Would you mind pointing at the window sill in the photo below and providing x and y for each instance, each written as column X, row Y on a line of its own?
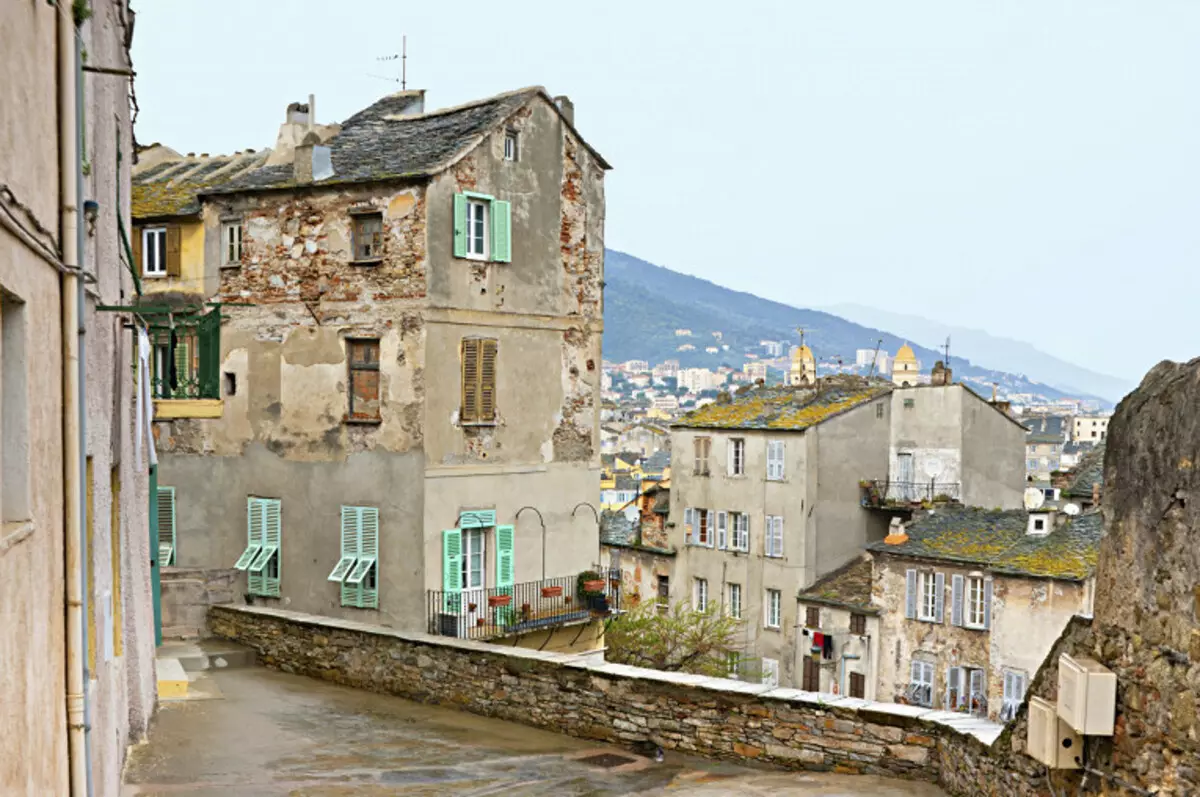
column 774, row 628
column 162, row 276
column 350, row 419
column 169, row 409
column 367, row 261
column 970, row 627
column 231, row 265
column 473, row 424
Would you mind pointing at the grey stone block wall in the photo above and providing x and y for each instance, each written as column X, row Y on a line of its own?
column 187, row 594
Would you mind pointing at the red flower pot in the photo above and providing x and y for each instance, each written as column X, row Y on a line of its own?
column 471, row 607
column 478, row 621
column 499, row 600
column 552, row 592
column 593, row 586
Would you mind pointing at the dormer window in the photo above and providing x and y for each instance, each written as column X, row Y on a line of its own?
column 1041, row 523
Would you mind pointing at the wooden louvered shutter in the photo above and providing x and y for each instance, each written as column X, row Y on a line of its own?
column 505, row 566
column 939, row 598
column 487, row 380
column 272, row 538
column 349, row 554
column 368, row 559
column 254, row 528
column 987, row 603
column 174, row 257
column 452, row 570
column 166, row 526
column 470, row 381
column 910, row 594
column 956, row 600
column 501, row 231
column 137, row 250
column 460, row 225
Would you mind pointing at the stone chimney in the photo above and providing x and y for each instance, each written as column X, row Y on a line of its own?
column 941, row 375
column 302, row 160
column 566, row 107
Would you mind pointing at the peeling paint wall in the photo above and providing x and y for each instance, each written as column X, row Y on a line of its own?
column 852, row 653
column 640, row 571
column 1028, row 615
column 285, row 431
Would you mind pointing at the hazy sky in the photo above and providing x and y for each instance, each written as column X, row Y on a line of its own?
column 1028, row 167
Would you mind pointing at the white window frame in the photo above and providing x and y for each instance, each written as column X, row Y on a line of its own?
column 472, row 539
column 700, row 595
column 154, row 252
column 739, row 526
column 512, row 151
column 927, row 596
column 920, row 676
column 704, row 523
column 974, row 613
column 484, row 209
column 1015, row 685
column 774, row 609
column 735, row 601
column 737, row 456
column 775, row 460
column 774, row 536
column 231, row 243
column 722, row 529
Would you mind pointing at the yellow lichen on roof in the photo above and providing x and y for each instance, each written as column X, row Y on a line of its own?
column 165, row 198
column 815, row 413
column 780, row 408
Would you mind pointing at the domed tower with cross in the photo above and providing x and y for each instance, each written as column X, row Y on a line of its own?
column 804, row 365
column 905, row 367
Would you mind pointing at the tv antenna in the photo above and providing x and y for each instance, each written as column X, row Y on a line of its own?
column 875, row 358
column 946, row 352
column 402, row 57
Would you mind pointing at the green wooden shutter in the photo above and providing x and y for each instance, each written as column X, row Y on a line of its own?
column 368, row 550
column 452, row 569
column 166, row 526
column 183, row 374
column 501, row 231
column 349, row 546
column 272, row 540
column 208, row 332
column 254, row 524
column 504, row 556
column 460, row 225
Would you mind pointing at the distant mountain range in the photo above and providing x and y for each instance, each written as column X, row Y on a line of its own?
column 645, row 304
column 1003, row 353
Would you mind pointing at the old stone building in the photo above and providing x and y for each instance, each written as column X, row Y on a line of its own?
column 780, row 486
column 838, row 643
column 635, row 551
column 971, row 600
column 410, row 318
column 77, row 673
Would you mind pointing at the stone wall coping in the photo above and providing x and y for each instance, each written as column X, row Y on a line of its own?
column 981, row 729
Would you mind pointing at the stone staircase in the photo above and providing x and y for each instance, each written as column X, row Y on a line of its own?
column 183, row 667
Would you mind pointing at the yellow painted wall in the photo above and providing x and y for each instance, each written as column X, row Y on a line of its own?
column 191, row 262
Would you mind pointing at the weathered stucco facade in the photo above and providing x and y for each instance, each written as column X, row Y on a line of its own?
column 286, row 429
column 1027, row 616
column 119, row 656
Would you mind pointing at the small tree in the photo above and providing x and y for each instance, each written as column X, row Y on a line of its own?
column 677, row 640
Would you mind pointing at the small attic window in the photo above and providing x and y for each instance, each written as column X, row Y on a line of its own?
column 1040, row 523
column 511, row 152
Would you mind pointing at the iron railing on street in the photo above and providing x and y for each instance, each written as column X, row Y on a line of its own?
column 528, row 606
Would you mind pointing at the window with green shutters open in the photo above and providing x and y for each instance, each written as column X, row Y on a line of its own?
column 261, row 559
column 358, row 566
column 482, row 228
column 166, row 526
column 463, row 560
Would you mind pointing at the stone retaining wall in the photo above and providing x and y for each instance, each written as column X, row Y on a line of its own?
column 187, row 594
column 712, row 717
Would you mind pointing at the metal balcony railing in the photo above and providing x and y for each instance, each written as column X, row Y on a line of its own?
column 528, row 606
column 891, row 493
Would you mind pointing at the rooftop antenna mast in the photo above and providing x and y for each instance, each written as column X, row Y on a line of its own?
column 946, row 350
column 403, row 59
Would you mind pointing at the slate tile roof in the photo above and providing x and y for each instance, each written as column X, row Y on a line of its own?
column 657, row 462
column 997, row 540
column 1042, row 438
column 172, row 188
column 848, row 587
column 379, row 144
column 792, row 408
column 1088, row 471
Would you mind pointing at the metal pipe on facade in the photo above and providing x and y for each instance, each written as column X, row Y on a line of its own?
column 73, row 540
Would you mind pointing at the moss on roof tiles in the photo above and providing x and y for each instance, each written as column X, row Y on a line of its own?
column 1088, row 471
column 785, row 407
column 849, row 586
column 998, row 540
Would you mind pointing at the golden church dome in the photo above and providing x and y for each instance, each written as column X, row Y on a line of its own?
column 905, row 355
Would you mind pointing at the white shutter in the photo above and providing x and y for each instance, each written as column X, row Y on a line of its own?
column 956, row 600
column 722, row 529
column 910, row 596
column 987, row 603
column 779, row 536
column 729, row 445
column 689, row 525
column 939, row 598
column 977, row 690
column 953, row 688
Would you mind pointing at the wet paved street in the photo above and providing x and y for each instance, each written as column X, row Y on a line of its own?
column 276, row 734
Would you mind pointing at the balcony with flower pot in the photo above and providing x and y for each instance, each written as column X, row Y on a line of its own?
column 529, row 606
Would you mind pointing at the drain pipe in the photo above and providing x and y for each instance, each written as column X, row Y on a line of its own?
column 70, row 180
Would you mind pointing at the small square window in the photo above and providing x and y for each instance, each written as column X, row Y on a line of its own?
column 909, row 404
column 511, row 152
column 231, row 243
column 858, row 624
column 368, row 236
column 812, row 617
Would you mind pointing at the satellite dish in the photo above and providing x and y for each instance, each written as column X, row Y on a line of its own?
column 1034, row 498
column 1071, row 509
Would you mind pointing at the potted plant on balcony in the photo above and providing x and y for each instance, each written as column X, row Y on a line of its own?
column 499, row 600
column 553, row 592
column 591, row 591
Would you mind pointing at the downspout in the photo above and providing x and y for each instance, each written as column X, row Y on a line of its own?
column 70, row 181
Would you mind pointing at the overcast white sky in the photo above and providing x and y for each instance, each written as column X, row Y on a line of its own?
column 1028, row 167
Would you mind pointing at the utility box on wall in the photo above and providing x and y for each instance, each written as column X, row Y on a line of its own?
column 1087, row 695
column 1050, row 740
